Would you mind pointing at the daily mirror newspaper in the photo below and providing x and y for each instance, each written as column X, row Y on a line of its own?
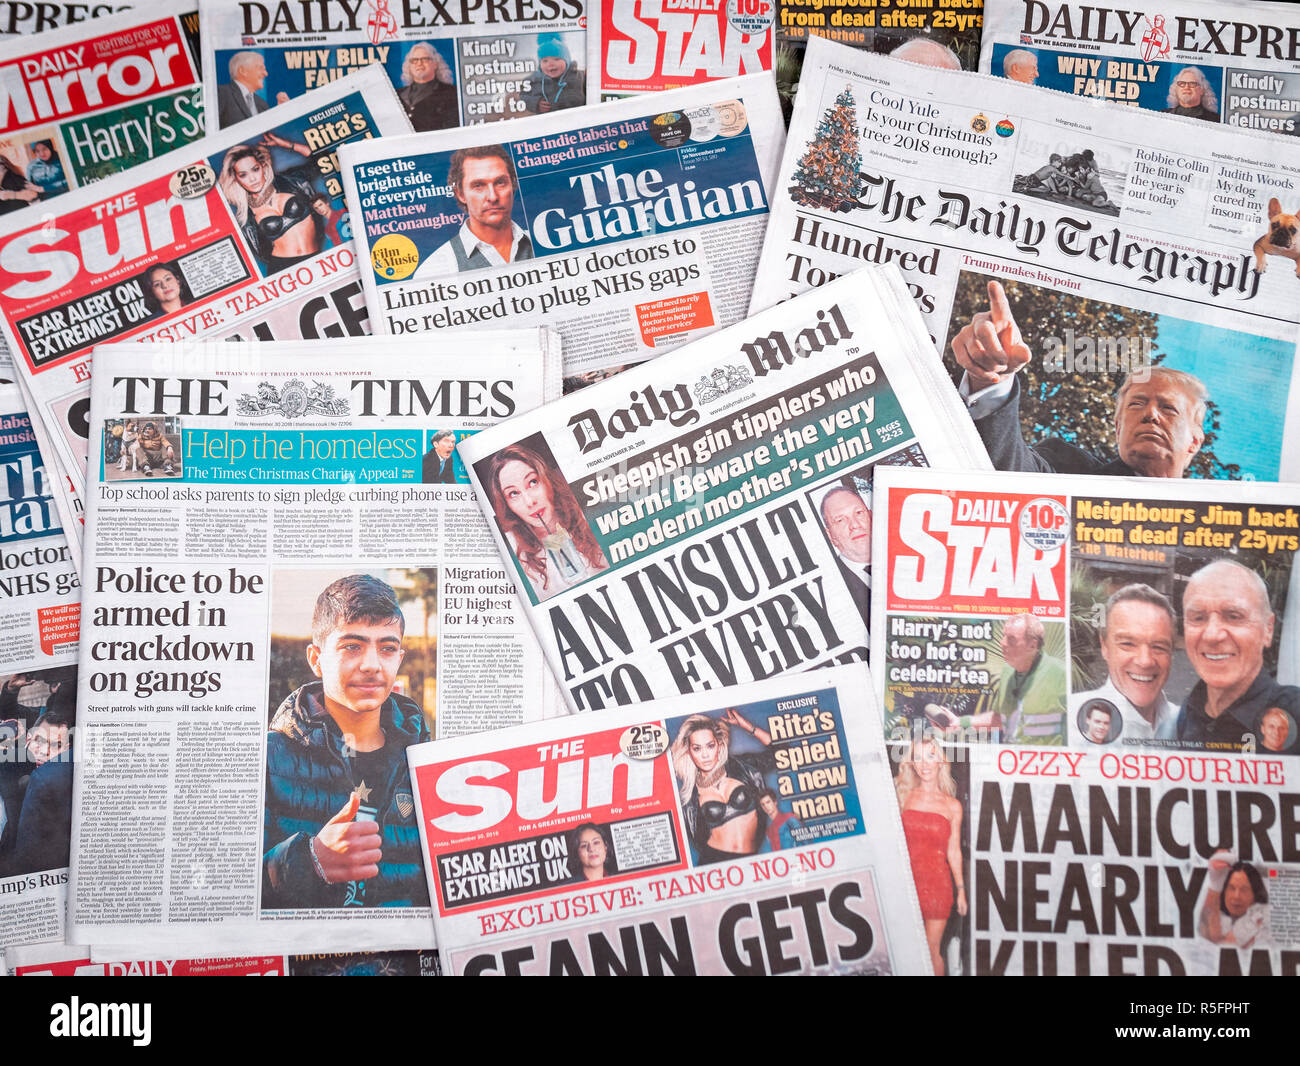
column 750, row 832
column 706, row 520
column 25, row 17
column 630, row 228
column 242, row 235
column 289, row 584
column 66, row 960
column 1237, row 64
column 1090, row 689
column 459, row 63
column 1061, row 250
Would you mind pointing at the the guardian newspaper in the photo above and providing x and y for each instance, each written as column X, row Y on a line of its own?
column 290, row 584
column 750, row 832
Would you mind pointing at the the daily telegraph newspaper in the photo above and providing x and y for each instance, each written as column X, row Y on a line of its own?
column 630, row 228
column 645, row 46
column 65, row 960
column 462, row 62
column 1237, row 64
column 289, row 582
column 242, row 235
column 26, row 17
column 1061, row 250
column 750, row 832
column 706, row 520
column 1090, row 693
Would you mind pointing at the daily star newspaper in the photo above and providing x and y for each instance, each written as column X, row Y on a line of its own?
column 289, row 583
column 26, row 17
column 750, row 832
column 242, row 235
column 630, row 227
column 67, row 960
column 458, row 63
column 706, row 520
column 1090, row 688
column 1059, row 248
column 1237, row 64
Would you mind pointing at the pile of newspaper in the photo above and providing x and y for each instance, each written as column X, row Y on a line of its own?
column 455, row 527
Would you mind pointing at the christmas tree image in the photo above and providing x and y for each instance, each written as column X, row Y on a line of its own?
column 828, row 174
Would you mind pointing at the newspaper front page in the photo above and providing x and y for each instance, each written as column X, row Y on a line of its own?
column 753, row 834
column 1091, row 686
column 1060, row 249
column 630, row 228
column 452, row 64
column 706, row 520
column 289, row 583
column 25, row 17
column 1233, row 64
column 66, row 960
column 243, row 235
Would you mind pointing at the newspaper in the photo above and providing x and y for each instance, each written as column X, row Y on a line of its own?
column 66, row 960
column 161, row 254
column 706, row 520
column 1238, row 65
column 453, row 64
column 289, row 584
column 25, row 17
column 592, row 845
column 1060, row 249
column 630, row 228
column 1094, row 681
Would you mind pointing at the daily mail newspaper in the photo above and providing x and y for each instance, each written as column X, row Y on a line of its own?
column 645, row 46
column 706, row 520
column 750, row 832
column 65, row 960
column 40, row 604
column 460, row 63
column 242, row 235
column 1080, row 266
column 289, row 583
column 26, row 17
column 1090, row 686
column 1235, row 64
column 630, row 228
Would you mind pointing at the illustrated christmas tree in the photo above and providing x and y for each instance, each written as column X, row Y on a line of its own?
column 828, row 174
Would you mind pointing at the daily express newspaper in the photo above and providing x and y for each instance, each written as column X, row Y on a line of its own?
column 242, row 235
column 289, row 583
column 66, row 960
column 1238, row 64
column 630, row 228
column 1060, row 249
column 750, row 832
column 1090, row 689
column 459, row 63
column 706, row 520
column 26, row 17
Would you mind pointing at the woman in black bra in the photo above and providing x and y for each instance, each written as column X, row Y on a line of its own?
column 280, row 215
column 720, row 790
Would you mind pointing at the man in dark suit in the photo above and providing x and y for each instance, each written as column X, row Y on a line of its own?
column 438, row 460
column 237, row 99
column 847, row 520
column 1159, row 415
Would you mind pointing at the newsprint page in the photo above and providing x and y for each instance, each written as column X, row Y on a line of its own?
column 25, row 17
column 1093, row 683
column 290, row 583
column 1086, row 242
column 706, row 520
column 750, row 832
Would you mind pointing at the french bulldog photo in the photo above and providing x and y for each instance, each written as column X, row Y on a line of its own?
column 1281, row 237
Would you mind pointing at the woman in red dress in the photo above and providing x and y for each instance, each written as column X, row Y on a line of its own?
column 932, row 825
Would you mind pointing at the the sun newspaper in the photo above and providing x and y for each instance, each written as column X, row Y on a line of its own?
column 243, row 235
column 25, row 17
column 67, row 960
column 706, row 520
column 1059, row 248
column 290, row 583
column 452, row 64
column 630, row 228
column 1089, row 689
column 748, row 832
column 1235, row 64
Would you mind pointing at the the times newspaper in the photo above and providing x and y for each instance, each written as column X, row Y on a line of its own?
column 1237, row 64
column 40, row 604
column 706, row 520
column 452, row 64
column 747, row 832
column 290, row 582
column 66, row 960
column 630, row 228
column 242, row 235
column 646, row 46
column 1059, row 248
column 25, row 17
column 1090, row 688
